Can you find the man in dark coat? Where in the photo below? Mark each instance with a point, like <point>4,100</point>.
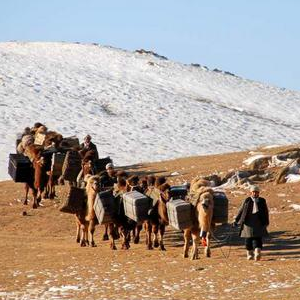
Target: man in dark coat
<point>108,177</point>
<point>88,147</point>
<point>253,216</point>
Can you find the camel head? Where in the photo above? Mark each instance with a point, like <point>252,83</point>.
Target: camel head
<point>165,192</point>
<point>206,201</point>
<point>92,182</point>
<point>87,167</point>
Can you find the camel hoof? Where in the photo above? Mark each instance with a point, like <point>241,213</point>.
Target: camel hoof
<point>82,244</point>
<point>149,247</point>
<point>207,254</point>
<point>194,257</point>
<point>125,247</point>
<point>25,202</point>
<point>136,240</point>
<point>185,255</point>
<point>113,248</point>
<point>34,206</point>
<point>156,244</point>
<point>105,237</point>
<point>162,248</point>
<point>93,244</point>
<point>78,241</point>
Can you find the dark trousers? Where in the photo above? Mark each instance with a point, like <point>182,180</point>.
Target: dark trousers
<point>252,243</point>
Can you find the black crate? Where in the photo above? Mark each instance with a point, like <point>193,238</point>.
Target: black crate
<point>20,168</point>
<point>101,163</point>
<point>178,192</point>
<point>220,214</point>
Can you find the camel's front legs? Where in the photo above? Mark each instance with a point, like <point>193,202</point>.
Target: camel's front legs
<point>112,236</point>
<point>155,232</point>
<point>195,237</point>
<point>105,235</point>
<point>91,230</point>
<point>84,235</point>
<point>162,228</point>
<point>207,251</point>
<point>187,238</point>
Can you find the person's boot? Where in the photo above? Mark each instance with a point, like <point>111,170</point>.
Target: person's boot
<point>257,254</point>
<point>250,254</point>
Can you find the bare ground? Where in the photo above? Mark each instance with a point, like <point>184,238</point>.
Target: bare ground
<point>41,260</point>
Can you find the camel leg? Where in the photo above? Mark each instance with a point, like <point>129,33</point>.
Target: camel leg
<point>162,228</point>
<point>148,229</point>
<point>195,237</point>
<point>52,192</point>
<point>51,185</point>
<point>112,236</point>
<point>77,232</point>
<point>187,238</point>
<point>105,235</point>
<point>116,230</point>
<point>155,239</point>
<point>83,240</point>
<point>137,231</point>
<point>26,188</point>
<point>207,251</point>
<point>124,235</point>
<point>146,225</point>
<point>91,230</point>
<point>45,192</point>
<point>35,203</point>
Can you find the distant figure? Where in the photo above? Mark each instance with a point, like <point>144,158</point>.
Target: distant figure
<point>27,131</point>
<point>88,146</point>
<point>253,216</point>
<point>108,177</point>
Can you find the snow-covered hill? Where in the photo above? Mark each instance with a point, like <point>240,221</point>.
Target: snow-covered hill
<point>137,107</point>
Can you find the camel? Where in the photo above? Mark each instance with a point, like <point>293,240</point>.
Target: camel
<point>121,222</point>
<point>203,205</point>
<point>158,217</point>
<point>38,181</point>
<point>86,219</point>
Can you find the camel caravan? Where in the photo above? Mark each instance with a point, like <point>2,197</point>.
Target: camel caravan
<point>100,194</point>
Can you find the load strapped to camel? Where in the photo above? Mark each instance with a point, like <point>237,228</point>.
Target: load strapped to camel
<point>20,168</point>
<point>57,163</point>
<point>40,139</point>
<point>179,191</point>
<point>75,202</point>
<point>101,163</point>
<point>105,207</point>
<point>136,206</point>
<point>71,166</point>
<point>69,143</point>
<point>179,213</point>
<point>220,213</point>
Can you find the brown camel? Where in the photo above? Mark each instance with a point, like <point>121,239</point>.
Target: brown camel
<point>203,205</point>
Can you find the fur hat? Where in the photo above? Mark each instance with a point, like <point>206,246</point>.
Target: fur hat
<point>254,188</point>
<point>109,166</point>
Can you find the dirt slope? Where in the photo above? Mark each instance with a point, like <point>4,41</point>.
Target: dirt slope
<point>40,259</point>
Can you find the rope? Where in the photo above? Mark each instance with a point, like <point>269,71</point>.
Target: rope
<point>227,238</point>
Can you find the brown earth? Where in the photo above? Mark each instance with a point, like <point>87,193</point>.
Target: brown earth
<point>41,260</point>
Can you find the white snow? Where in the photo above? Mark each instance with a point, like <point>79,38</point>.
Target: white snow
<point>251,159</point>
<point>292,178</point>
<point>295,207</point>
<point>137,111</point>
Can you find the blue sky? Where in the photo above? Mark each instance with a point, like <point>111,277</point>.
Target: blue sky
<point>256,39</point>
